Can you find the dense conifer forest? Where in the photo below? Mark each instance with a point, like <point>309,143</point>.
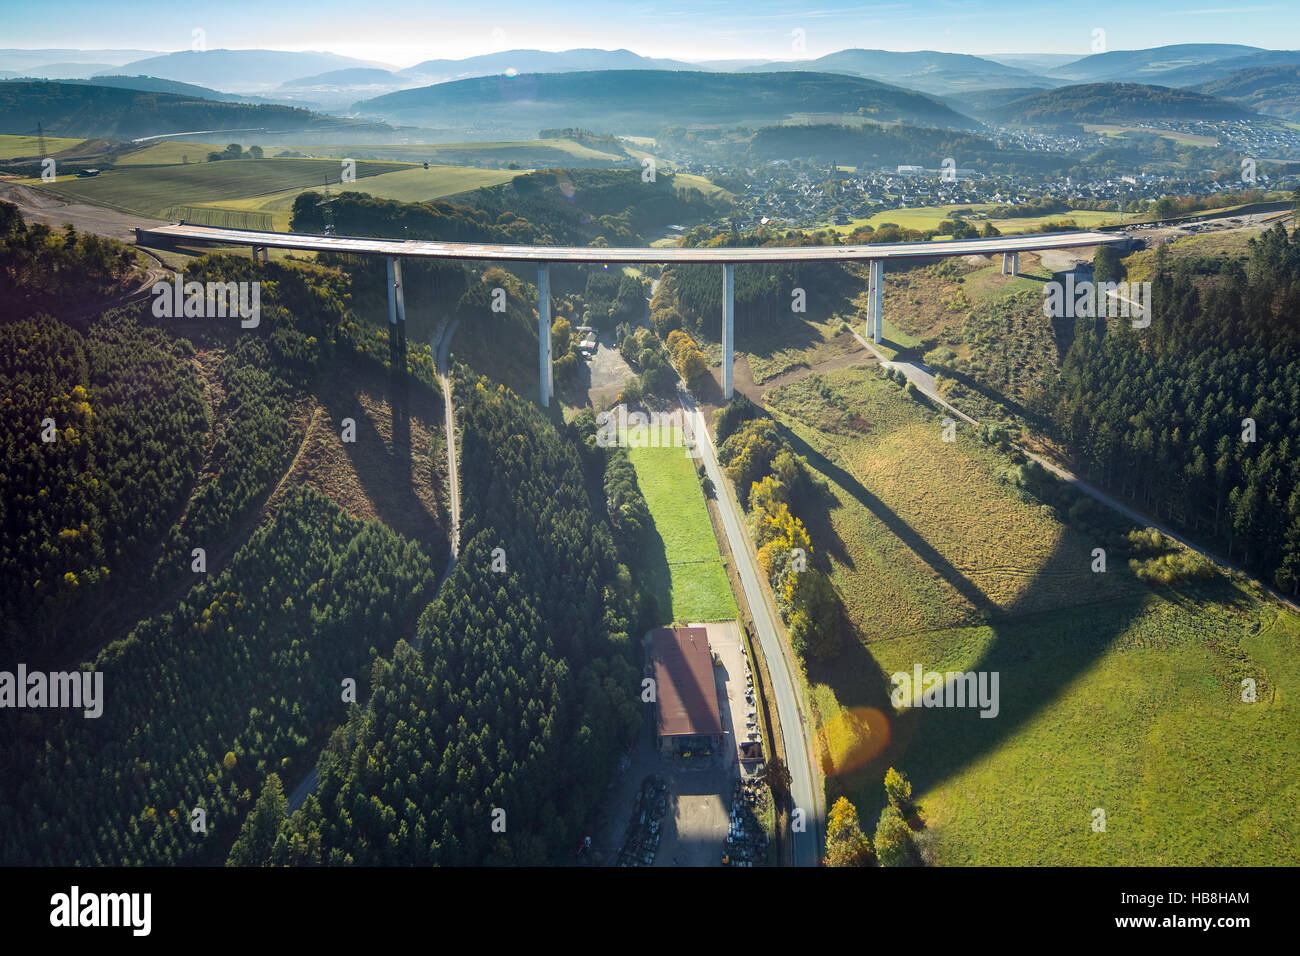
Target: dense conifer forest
<point>1197,418</point>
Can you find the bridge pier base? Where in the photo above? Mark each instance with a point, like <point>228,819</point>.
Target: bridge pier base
<point>1011,263</point>
<point>545,373</point>
<point>728,327</point>
<point>396,316</point>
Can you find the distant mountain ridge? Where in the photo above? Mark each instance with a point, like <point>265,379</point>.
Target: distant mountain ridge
<point>20,61</point>
<point>240,71</point>
<point>541,61</point>
<point>630,101</point>
<point>929,71</point>
<point>1194,77</point>
<point>1146,66</point>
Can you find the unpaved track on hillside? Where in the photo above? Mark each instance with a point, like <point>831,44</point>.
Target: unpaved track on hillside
<point>441,345</point>
<point>43,207</point>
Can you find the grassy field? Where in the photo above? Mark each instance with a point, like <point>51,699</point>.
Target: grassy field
<point>411,184</point>
<point>1112,695</point>
<point>691,578</point>
<point>916,217</point>
<point>1183,139</point>
<point>1084,218</point>
<point>170,152</point>
<point>535,153</point>
<point>1133,707</point>
<point>152,191</point>
<point>223,218</point>
<point>685,181</point>
<point>928,217</point>
<point>13,146</point>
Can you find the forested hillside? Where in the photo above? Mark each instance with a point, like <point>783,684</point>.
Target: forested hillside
<point>1110,102</point>
<point>129,441</point>
<point>202,702</point>
<point>1197,418</point>
<point>521,694</point>
<point>69,109</point>
<point>549,207</point>
<point>127,420</point>
<point>45,271</point>
<point>641,101</point>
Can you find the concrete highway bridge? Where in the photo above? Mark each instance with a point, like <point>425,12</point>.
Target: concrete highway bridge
<point>395,250</point>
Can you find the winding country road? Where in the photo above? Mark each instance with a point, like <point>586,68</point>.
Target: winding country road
<point>805,846</point>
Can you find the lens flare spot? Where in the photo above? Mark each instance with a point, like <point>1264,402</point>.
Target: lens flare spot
<point>851,739</point>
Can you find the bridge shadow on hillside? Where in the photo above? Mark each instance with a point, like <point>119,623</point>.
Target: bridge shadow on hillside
<point>913,353</point>
<point>1040,644</point>
<point>385,469</point>
<point>399,401</point>
<point>765,338</point>
<point>817,518</point>
<point>1036,656</point>
<point>998,398</point>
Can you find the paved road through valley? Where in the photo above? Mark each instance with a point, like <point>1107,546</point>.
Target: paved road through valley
<point>805,846</point>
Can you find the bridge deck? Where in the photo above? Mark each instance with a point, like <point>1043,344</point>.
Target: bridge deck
<point>425,249</point>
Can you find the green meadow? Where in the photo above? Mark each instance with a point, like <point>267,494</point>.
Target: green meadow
<point>13,146</point>
<point>151,191</point>
<point>688,575</point>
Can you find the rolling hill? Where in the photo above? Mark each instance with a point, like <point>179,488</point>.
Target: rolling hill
<point>1114,102</point>
<point>1274,90</point>
<point>1197,76</point>
<point>73,109</point>
<point>1146,66</point>
<point>154,84</point>
<point>925,70</point>
<point>632,101</point>
<point>978,103</point>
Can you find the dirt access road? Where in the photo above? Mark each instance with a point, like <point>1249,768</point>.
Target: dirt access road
<point>37,206</point>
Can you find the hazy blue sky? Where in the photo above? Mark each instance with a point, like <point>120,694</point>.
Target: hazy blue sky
<point>402,32</point>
